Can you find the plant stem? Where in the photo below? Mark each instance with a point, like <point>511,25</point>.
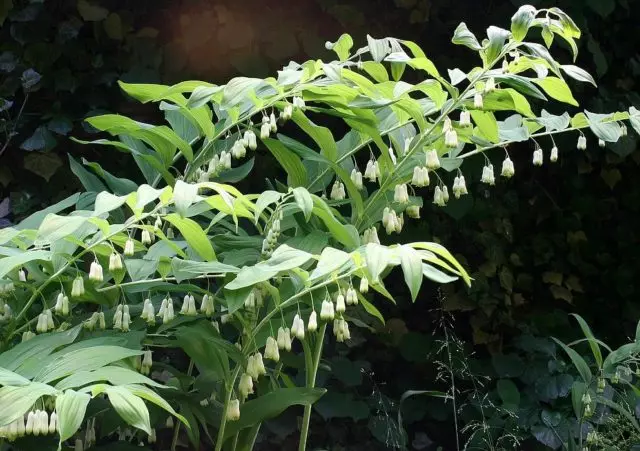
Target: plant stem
<point>159,279</point>
<point>312,372</point>
<point>225,407</point>
<point>176,429</point>
<point>14,125</point>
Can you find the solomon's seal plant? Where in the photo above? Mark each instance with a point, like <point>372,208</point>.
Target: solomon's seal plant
<point>96,289</point>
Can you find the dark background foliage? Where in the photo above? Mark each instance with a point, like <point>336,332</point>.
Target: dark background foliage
<point>554,240</point>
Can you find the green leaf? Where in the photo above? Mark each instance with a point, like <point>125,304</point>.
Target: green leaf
<point>331,260</point>
<point>593,344</point>
<point>64,363</point>
<point>130,407</point>
<point>577,73</point>
<point>13,262</point>
<point>16,401</point>
<point>151,396</point>
<point>265,199</point>
<point>436,275</point>
<point>195,236</point>
<point>71,408</point>
<point>370,308</point>
<point>557,89</point>
<point>521,21</point>
<point>604,127</point>
<point>187,269</point>
<point>411,264</point>
<point>115,375</point>
<point>304,201</point>
<point>462,36</point>
<point>342,46</point>
<point>497,37</point>
<point>284,258</point>
<point>578,389</point>
<point>88,180</point>
<point>271,405</point>
<point>578,362</point>
<point>509,393</point>
<point>209,352</point>
<point>487,124</point>
<point>377,258</point>
<point>43,164</point>
<point>37,348</point>
<point>10,378</point>
<point>289,161</point>
<point>345,234</point>
<point>91,12</point>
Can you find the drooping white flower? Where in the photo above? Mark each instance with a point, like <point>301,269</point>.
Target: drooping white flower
<point>401,194</point>
<point>265,130</point>
<point>271,351</point>
<point>115,262</point>
<point>459,186</point>
<point>538,157</point>
<point>451,139</point>
<point>465,119</point>
<point>340,303</point>
<point>364,285</point>
<point>508,169</point>
<point>207,307</point>
<point>392,155</point>
<point>233,410</point>
<point>327,311</point>
<point>413,211</point>
<point>478,101</point>
<point>554,154</point>
<point>432,160</point>
<point>146,237</point>
<point>313,322</point>
<point>438,198</point>
<point>356,178</point>
<point>238,150</point>
<point>22,275</point>
<point>488,175</point>
<point>601,143</point>
<point>338,191</point>
<point>582,142</point>
<point>272,123</point>
<point>490,86</point>
<point>95,272</point>
<point>129,248</point>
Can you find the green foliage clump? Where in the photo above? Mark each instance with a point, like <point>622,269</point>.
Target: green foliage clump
<point>101,285</point>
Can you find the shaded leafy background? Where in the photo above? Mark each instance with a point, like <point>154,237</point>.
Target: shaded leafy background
<point>554,240</point>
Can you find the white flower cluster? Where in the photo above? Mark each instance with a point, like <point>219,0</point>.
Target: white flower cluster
<point>189,306</point>
<point>38,422</point>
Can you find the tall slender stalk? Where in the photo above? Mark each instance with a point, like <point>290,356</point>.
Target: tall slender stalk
<point>312,372</point>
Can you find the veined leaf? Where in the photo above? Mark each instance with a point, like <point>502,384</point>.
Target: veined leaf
<point>411,264</point>
<point>557,89</point>
<point>130,407</point>
<point>271,405</point>
<point>194,235</point>
<point>71,407</point>
<point>289,161</point>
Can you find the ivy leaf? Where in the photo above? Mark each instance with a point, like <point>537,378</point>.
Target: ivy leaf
<point>42,139</point>
<point>30,78</point>
<point>43,164</point>
<point>91,12</point>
